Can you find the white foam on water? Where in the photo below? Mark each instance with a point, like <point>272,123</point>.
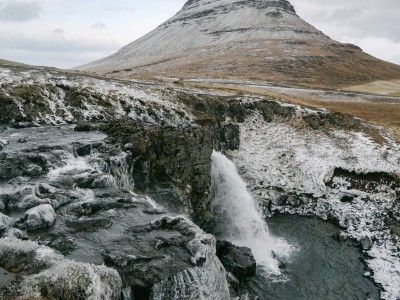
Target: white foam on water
<point>241,223</point>
<point>72,165</point>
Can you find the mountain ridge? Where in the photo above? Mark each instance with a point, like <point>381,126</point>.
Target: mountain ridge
<point>260,39</point>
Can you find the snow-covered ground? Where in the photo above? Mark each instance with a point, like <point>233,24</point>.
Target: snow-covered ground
<point>278,158</point>
<point>94,98</point>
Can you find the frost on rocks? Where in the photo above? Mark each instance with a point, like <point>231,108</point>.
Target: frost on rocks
<point>53,276</point>
<point>6,222</point>
<point>39,217</point>
<point>283,164</point>
<point>85,98</point>
<point>206,279</point>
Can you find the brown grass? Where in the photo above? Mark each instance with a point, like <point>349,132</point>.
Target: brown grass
<point>383,114</point>
<point>389,88</point>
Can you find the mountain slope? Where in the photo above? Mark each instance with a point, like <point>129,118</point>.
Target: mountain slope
<point>252,39</point>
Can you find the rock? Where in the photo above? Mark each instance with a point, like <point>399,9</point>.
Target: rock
<point>103,181</point>
<point>347,198</point>
<point>22,140</point>
<point>176,249</point>
<point>237,260</point>
<point>167,161</point>
<point>229,137</point>
<point>6,222</point>
<point>63,244</point>
<point>83,126</point>
<point>313,121</point>
<point>89,224</point>
<point>33,170</point>
<point>84,150</point>
<point>38,217</point>
<point>3,144</point>
<point>366,243</point>
<point>49,275</point>
<point>341,236</point>
<point>15,233</point>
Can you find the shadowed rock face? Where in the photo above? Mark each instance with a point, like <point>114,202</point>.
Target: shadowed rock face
<point>169,163</point>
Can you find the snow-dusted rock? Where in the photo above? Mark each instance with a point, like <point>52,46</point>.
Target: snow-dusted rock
<point>6,222</point>
<point>3,143</point>
<point>53,276</point>
<point>14,233</point>
<point>39,217</point>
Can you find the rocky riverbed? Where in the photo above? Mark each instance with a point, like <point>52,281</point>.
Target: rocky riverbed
<point>114,190</point>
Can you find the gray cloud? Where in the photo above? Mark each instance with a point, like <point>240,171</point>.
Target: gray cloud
<point>58,31</point>
<point>356,17</point>
<point>98,26</point>
<point>54,49</point>
<point>19,11</point>
<point>367,23</point>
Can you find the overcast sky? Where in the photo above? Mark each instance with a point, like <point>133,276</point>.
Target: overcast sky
<point>67,33</point>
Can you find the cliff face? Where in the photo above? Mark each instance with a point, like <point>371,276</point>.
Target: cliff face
<point>260,39</point>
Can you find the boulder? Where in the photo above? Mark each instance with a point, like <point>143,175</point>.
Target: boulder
<point>6,222</point>
<point>38,217</point>
<point>237,260</point>
<point>46,274</point>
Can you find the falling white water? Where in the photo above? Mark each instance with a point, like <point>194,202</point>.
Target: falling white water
<point>238,220</point>
<point>119,167</point>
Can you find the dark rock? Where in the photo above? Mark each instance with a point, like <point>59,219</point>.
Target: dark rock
<point>338,120</point>
<point>84,150</point>
<point>89,224</point>
<point>229,137</point>
<point>366,182</point>
<point>237,260</point>
<point>63,244</point>
<point>313,121</point>
<point>340,236</point>
<point>347,198</point>
<point>83,126</point>
<point>169,163</point>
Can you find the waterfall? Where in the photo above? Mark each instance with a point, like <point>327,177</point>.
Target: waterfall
<point>119,168</point>
<point>238,220</point>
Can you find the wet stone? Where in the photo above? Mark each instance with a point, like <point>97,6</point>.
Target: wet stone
<point>63,244</point>
<point>89,224</point>
<point>237,260</point>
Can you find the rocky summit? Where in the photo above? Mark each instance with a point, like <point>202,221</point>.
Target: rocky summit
<point>258,39</point>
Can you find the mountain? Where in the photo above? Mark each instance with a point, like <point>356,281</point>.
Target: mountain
<point>248,39</point>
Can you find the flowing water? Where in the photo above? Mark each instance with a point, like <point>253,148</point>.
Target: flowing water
<point>240,222</point>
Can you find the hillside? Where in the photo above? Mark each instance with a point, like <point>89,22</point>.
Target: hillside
<point>259,40</point>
